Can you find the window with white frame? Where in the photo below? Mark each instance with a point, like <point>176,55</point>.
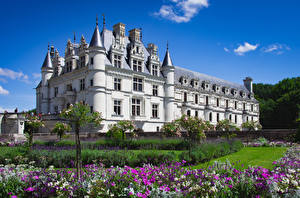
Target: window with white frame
<point>137,65</point>
<point>117,61</point>
<point>137,84</point>
<point>154,110</point>
<point>82,84</point>
<point>117,107</point>
<point>136,107</point>
<point>117,84</point>
<point>155,70</point>
<point>155,90</point>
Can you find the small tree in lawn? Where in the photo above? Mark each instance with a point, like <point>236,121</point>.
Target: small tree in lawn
<point>125,125</point>
<point>60,129</point>
<point>32,125</point>
<point>194,127</point>
<point>171,129</point>
<point>227,126</point>
<point>252,125</point>
<point>79,115</point>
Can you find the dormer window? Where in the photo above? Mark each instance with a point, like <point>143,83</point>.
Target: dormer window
<point>82,61</point>
<point>137,65</point>
<point>117,60</point>
<point>242,94</point>
<point>205,85</point>
<point>233,92</point>
<point>155,70</point>
<point>194,83</point>
<point>183,80</point>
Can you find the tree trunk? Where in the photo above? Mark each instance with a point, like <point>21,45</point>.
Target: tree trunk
<point>30,141</point>
<point>78,150</point>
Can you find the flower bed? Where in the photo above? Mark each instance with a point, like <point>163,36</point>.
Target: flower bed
<point>166,180</point>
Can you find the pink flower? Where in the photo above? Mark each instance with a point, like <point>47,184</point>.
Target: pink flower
<point>230,186</point>
<point>14,196</point>
<point>36,177</point>
<point>113,184</point>
<point>30,189</point>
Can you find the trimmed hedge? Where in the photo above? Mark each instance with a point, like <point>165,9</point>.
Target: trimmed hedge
<point>143,144</point>
<point>206,152</point>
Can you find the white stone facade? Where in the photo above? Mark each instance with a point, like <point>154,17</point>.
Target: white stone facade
<point>121,78</point>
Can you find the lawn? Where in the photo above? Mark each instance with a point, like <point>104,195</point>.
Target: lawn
<point>254,156</point>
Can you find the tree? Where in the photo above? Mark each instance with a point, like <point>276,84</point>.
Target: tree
<point>226,126</point>
<point>125,125</point>
<point>60,129</point>
<point>251,125</point>
<point>79,115</point>
<point>194,128</point>
<point>32,125</point>
<point>171,129</point>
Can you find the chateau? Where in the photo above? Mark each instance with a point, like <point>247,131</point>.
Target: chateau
<point>123,79</point>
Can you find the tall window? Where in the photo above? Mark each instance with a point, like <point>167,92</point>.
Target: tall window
<point>218,102</point>
<point>117,84</point>
<point>92,61</point>
<point>184,97</point>
<point>235,104</point>
<point>196,113</point>
<point>155,90</point>
<point>117,61</point>
<point>55,91</point>
<point>154,70</point>
<point>117,107</point>
<point>227,104</point>
<point>206,100</point>
<point>92,82</point>
<point>82,61</point>
<point>69,87</point>
<point>218,117</point>
<point>244,106</point>
<point>82,84</point>
<point>251,107</point>
<point>136,107</point>
<point>210,116</point>
<point>137,65</point>
<point>230,118</point>
<point>137,84</point>
<point>154,111</point>
<point>188,112</point>
<point>196,98</point>
<point>235,118</point>
<point>91,108</point>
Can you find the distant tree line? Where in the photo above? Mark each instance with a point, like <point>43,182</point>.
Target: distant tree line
<point>279,103</point>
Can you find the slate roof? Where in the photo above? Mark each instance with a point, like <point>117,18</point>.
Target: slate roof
<point>47,61</point>
<point>182,72</point>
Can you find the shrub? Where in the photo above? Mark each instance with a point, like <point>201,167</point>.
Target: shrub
<point>115,133</point>
<point>171,129</point>
<point>251,125</point>
<point>60,129</point>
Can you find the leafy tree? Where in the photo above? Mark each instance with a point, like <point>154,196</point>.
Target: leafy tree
<point>32,125</point>
<point>60,129</point>
<point>117,131</point>
<point>225,125</point>
<point>171,129</point>
<point>79,115</point>
<point>251,125</point>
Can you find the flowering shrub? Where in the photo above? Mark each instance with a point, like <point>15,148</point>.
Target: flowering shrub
<point>166,180</point>
<point>171,129</point>
<point>32,125</point>
<point>264,142</point>
<point>252,125</point>
<point>60,129</point>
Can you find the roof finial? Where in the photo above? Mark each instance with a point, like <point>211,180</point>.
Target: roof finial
<point>167,45</point>
<point>96,19</point>
<point>48,46</point>
<point>103,21</point>
<point>141,34</point>
<point>74,38</point>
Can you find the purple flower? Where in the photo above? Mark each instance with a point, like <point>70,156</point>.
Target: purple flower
<point>30,189</point>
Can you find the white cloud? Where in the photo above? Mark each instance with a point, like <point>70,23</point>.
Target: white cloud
<point>36,75</point>
<point>3,91</point>
<point>8,110</point>
<point>247,47</point>
<point>182,11</point>
<point>276,49</point>
<point>3,80</point>
<point>226,49</point>
<point>8,73</point>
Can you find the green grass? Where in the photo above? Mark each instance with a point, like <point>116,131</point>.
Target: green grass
<point>254,156</point>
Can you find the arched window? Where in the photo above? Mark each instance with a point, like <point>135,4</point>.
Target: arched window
<point>210,116</point>
<point>188,112</point>
<point>196,113</point>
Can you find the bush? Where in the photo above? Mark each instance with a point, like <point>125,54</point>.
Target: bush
<point>12,155</point>
<point>208,151</point>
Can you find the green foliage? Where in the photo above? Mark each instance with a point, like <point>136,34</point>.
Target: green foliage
<point>282,100</point>
<point>194,127</point>
<point>11,154</point>
<point>171,129</point>
<point>251,125</point>
<point>60,129</point>
<point>208,151</point>
<point>12,185</point>
<point>226,125</point>
<point>115,133</point>
<point>32,125</point>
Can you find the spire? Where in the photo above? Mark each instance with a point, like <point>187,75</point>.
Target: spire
<point>96,39</point>
<point>167,60</point>
<point>103,21</point>
<point>47,61</point>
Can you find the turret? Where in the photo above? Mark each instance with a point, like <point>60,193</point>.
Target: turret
<point>168,71</point>
<point>248,83</point>
<point>47,72</point>
<point>97,78</point>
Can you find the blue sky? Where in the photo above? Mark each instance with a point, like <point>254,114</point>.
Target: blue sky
<point>228,39</point>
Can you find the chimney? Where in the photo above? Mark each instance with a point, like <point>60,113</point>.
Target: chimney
<point>248,83</point>
<point>152,48</point>
<point>134,35</point>
<point>119,29</point>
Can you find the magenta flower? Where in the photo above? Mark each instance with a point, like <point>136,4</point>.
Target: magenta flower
<point>14,196</point>
<point>30,189</point>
